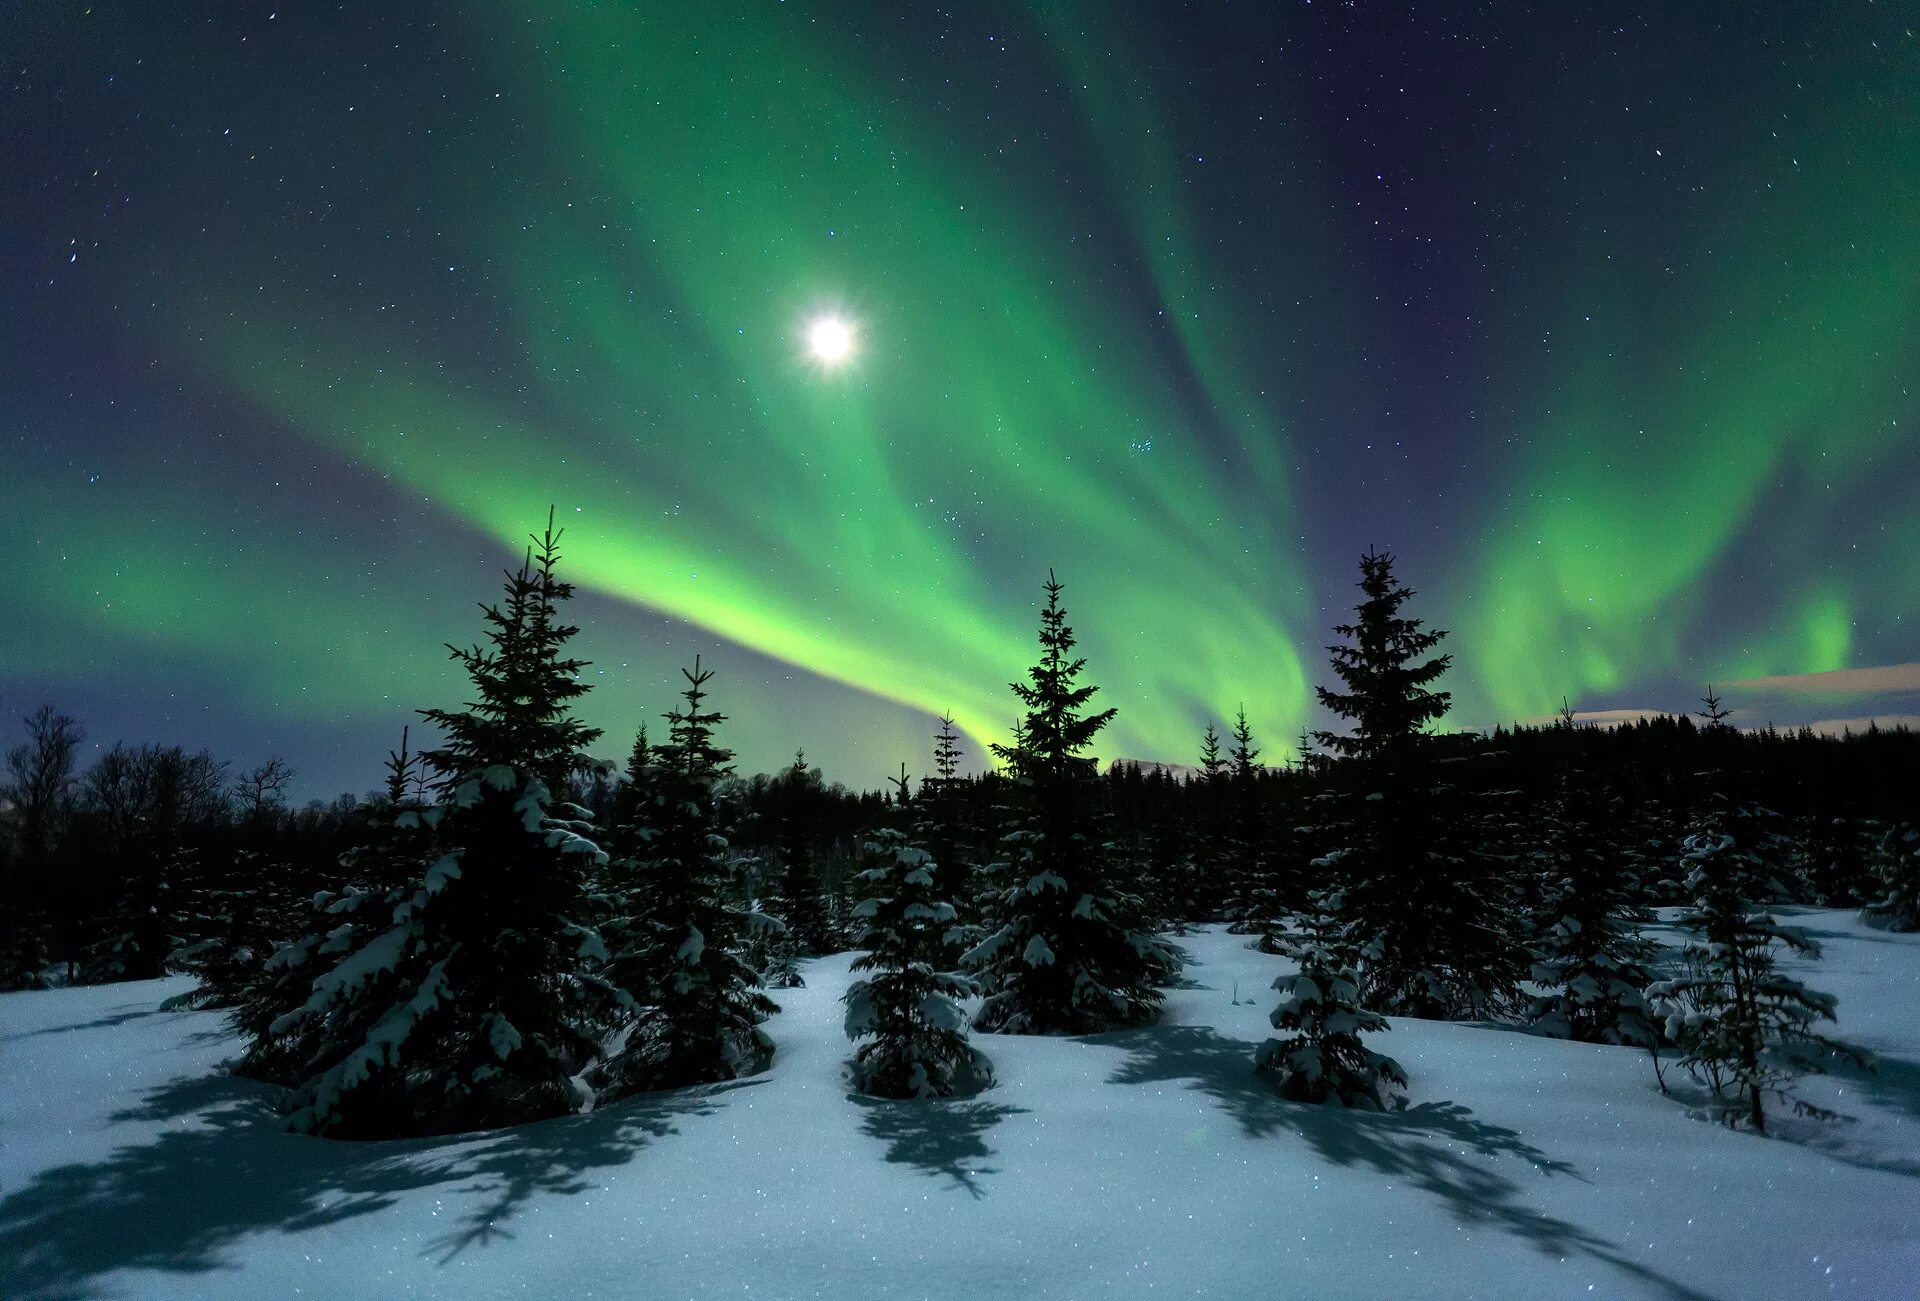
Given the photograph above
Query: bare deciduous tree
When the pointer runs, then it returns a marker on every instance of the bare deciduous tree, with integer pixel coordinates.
(38, 791)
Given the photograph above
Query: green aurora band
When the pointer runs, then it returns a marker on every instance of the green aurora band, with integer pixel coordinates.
(1721, 431)
(845, 523)
(1688, 415)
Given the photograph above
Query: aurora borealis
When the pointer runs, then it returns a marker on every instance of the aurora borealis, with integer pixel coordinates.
(1606, 322)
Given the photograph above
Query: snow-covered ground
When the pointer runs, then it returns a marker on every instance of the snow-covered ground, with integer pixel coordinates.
(1144, 1163)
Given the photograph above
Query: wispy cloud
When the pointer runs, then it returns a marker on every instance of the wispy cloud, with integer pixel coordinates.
(1882, 680)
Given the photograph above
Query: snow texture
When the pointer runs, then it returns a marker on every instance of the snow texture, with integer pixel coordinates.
(1141, 1163)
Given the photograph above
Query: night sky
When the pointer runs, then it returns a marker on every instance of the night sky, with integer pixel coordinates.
(1606, 320)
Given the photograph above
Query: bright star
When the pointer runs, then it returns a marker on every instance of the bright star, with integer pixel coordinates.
(830, 340)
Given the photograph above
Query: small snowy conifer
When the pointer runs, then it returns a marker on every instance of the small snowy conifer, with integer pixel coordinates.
(1324, 1057)
(1896, 875)
(909, 1007)
(1592, 961)
(1743, 1027)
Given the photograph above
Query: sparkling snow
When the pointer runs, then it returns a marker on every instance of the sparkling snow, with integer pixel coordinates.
(1143, 1163)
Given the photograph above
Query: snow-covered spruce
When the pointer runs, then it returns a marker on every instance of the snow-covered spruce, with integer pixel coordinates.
(1743, 1028)
(145, 931)
(374, 879)
(908, 1009)
(802, 899)
(789, 888)
(230, 924)
(1426, 900)
(1591, 959)
(466, 1012)
(942, 823)
(1324, 1057)
(1896, 878)
(678, 958)
(1066, 950)
(24, 951)
(1832, 859)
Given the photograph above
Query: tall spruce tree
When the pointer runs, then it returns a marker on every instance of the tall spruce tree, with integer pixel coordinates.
(1065, 951)
(1424, 903)
(681, 961)
(478, 1017)
(1246, 859)
(793, 892)
(803, 897)
(1210, 851)
(1389, 696)
(941, 811)
(621, 888)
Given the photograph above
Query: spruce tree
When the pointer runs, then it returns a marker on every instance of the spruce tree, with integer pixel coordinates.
(24, 950)
(286, 1043)
(1166, 861)
(467, 1011)
(1896, 877)
(1065, 951)
(1591, 961)
(1213, 763)
(230, 923)
(681, 963)
(1833, 860)
(943, 822)
(1424, 902)
(1388, 696)
(794, 892)
(1249, 890)
(803, 904)
(145, 929)
(620, 889)
(1743, 1028)
(1324, 1057)
(160, 803)
(909, 1007)
(1210, 851)
(244, 903)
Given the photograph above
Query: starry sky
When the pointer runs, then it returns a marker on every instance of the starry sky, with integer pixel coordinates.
(1605, 319)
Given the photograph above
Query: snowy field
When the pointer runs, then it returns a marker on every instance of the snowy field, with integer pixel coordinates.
(1142, 1163)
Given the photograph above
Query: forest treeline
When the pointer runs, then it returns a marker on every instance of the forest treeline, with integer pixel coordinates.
(508, 926)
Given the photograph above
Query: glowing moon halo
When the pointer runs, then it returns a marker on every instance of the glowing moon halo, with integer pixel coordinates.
(830, 340)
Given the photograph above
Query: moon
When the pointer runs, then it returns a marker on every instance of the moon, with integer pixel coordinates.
(830, 339)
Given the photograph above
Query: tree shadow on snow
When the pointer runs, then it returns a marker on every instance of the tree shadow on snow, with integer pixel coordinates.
(1868, 934)
(98, 1023)
(1440, 1148)
(942, 1137)
(221, 1168)
(1889, 1084)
